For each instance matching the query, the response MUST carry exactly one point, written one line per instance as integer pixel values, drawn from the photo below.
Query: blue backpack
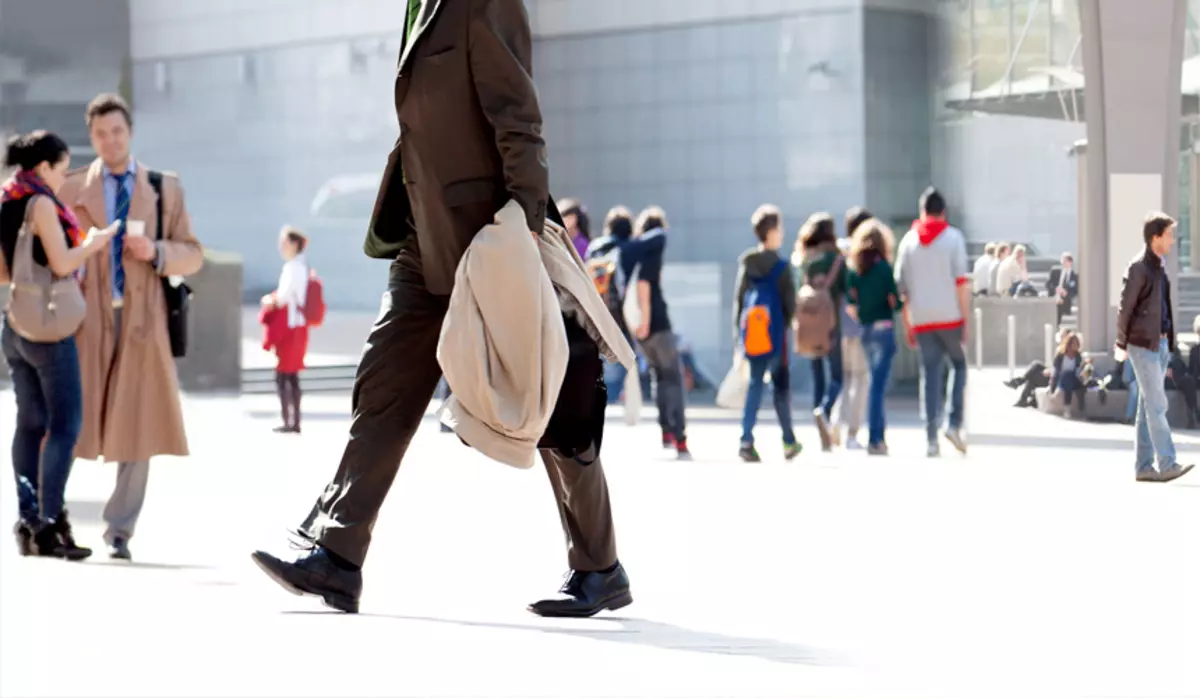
(763, 331)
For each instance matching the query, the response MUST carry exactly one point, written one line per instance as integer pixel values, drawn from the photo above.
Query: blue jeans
(781, 386)
(1153, 437)
(935, 349)
(49, 395)
(879, 344)
(825, 393)
(1131, 382)
(614, 380)
(1069, 384)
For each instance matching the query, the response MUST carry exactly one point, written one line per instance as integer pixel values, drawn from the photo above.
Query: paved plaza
(1034, 567)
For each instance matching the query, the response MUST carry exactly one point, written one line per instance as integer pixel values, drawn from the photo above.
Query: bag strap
(156, 183)
(834, 270)
(777, 271)
(22, 264)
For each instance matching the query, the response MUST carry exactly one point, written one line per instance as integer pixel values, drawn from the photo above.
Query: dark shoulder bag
(178, 296)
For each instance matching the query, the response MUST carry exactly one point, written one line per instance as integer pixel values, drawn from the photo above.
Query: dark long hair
(568, 206)
(32, 149)
(619, 223)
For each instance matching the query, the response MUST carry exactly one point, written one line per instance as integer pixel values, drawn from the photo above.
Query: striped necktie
(120, 213)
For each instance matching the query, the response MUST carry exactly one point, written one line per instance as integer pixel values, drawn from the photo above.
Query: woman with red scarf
(286, 325)
(45, 375)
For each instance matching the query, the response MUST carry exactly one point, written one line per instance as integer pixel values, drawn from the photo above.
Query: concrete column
(1193, 194)
(1132, 66)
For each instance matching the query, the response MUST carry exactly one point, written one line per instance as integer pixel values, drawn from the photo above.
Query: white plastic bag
(629, 306)
(732, 393)
(633, 396)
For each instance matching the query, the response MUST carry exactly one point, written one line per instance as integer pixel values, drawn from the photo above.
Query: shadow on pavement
(148, 565)
(1027, 441)
(897, 419)
(86, 511)
(648, 633)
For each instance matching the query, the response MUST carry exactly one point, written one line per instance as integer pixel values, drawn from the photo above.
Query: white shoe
(852, 444)
(933, 451)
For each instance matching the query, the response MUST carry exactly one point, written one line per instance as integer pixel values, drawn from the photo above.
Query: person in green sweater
(814, 257)
(873, 300)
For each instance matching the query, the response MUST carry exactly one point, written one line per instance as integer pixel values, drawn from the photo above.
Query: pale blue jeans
(1153, 438)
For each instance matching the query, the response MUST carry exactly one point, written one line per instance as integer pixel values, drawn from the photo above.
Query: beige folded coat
(503, 346)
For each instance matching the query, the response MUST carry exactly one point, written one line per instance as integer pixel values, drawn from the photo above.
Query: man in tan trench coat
(131, 408)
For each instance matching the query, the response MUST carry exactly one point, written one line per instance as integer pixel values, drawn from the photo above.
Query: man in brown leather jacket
(1146, 335)
(470, 141)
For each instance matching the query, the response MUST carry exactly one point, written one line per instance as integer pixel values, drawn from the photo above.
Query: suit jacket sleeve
(179, 253)
(1053, 280)
(1131, 290)
(501, 53)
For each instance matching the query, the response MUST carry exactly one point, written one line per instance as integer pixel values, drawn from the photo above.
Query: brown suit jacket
(131, 407)
(470, 134)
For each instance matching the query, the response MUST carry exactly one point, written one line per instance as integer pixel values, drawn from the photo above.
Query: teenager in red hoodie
(932, 276)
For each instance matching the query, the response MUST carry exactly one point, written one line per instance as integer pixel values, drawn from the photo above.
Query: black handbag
(178, 296)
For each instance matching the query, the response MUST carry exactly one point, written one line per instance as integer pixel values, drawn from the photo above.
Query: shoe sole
(614, 603)
(1177, 474)
(338, 602)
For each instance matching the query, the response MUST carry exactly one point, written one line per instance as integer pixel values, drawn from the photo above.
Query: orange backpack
(763, 330)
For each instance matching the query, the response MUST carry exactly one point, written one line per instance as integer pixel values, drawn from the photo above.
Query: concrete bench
(1112, 408)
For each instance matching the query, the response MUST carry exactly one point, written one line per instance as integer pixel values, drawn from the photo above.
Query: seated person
(1067, 375)
(1181, 379)
(1036, 376)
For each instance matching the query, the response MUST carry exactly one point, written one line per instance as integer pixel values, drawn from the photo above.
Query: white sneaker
(852, 444)
(933, 451)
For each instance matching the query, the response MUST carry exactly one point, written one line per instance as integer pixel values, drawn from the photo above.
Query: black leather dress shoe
(315, 574)
(587, 593)
(119, 550)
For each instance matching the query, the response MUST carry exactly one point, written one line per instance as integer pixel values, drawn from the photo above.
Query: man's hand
(140, 248)
(643, 330)
(1119, 354)
(535, 235)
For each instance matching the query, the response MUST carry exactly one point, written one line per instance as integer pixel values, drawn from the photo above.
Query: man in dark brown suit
(470, 140)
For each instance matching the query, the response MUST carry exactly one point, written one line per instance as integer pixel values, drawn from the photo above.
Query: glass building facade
(278, 114)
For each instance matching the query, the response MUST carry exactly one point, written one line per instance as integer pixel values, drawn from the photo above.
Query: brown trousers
(396, 379)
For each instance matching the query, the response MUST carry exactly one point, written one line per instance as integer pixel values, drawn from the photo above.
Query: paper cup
(135, 228)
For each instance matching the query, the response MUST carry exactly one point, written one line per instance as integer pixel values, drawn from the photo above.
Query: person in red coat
(286, 327)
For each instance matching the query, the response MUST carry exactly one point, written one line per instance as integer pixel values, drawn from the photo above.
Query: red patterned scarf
(25, 184)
